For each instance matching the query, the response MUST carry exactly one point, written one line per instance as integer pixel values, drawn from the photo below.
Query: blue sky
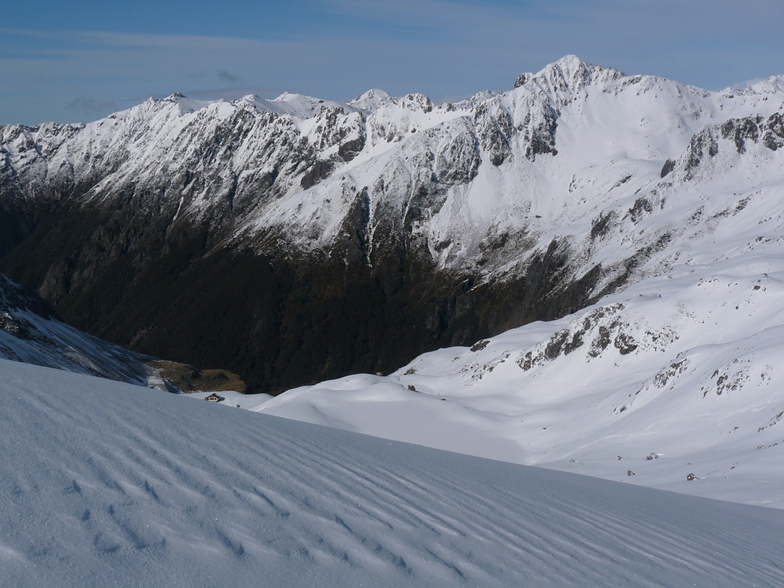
(72, 62)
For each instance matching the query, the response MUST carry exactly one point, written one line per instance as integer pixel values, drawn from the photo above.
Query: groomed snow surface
(108, 484)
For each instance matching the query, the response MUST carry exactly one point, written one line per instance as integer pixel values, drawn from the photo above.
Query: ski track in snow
(102, 483)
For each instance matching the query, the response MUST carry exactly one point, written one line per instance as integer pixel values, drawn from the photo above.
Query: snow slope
(674, 193)
(678, 374)
(29, 334)
(103, 483)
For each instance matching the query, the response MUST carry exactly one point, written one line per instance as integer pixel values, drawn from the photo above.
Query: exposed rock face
(296, 239)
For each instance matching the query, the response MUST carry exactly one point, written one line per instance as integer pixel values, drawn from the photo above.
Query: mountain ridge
(457, 221)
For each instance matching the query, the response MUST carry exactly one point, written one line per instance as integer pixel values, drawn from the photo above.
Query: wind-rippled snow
(103, 483)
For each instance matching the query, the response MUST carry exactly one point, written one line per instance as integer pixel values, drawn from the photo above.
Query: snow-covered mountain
(297, 239)
(102, 483)
(30, 333)
(671, 378)
(675, 383)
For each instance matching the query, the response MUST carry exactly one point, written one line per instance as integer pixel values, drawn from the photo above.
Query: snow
(672, 386)
(103, 483)
(613, 134)
(234, 399)
(684, 365)
(371, 100)
(681, 365)
(31, 338)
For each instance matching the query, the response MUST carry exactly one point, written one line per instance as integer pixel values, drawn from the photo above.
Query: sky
(77, 62)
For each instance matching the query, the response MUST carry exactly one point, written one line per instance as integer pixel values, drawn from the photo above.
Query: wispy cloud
(92, 107)
(225, 76)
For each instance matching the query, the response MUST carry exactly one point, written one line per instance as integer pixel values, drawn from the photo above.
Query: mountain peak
(569, 72)
(371, 100)
(771, 85)
(571, 62)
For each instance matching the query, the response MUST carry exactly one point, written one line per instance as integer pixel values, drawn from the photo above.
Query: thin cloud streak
(90, 106)
(225, 76)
